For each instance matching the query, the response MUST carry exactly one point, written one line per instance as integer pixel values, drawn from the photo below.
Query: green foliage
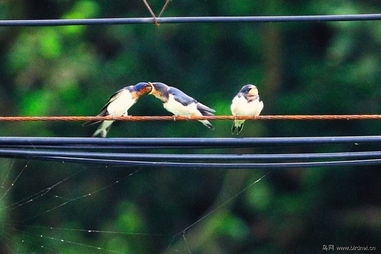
(299, 68)
(231, 226)
(259, 197)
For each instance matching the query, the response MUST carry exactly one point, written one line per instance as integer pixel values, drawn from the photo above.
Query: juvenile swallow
(119, 104)
(245, 103)
(179, 103)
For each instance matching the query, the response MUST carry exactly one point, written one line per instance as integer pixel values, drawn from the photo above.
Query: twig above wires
(164, 7)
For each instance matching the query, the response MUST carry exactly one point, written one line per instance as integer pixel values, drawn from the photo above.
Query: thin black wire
(217, 19)
(17, 153)
(184, 142)
(214, 165)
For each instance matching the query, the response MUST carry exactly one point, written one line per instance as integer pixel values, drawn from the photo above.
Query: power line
(54, 149)
(91, 142)
(271, 165)
(19, 153)
(205, 19)
(190, 118)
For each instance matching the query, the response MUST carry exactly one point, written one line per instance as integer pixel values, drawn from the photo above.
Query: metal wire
(92, 147)
(216, 19)
(184, 165)
(232, 161)
(17, 153)
(189, 118)
(185, 142)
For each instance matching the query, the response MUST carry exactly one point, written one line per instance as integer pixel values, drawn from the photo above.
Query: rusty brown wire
(189, 118)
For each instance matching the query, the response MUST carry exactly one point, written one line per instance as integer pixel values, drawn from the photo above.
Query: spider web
(29, 216)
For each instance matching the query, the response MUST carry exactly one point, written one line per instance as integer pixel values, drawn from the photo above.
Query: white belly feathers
(121, 104)
(241, 107)
(179, 109)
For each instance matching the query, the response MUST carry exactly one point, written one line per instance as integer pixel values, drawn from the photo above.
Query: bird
(118, 105)
(245, 103)
(180, 104)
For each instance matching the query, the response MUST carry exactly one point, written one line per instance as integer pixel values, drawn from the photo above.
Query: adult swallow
(179, 103)
(245, 103)
(119, 104)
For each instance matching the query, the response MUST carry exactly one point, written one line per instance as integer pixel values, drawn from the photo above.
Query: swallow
(119, 104)
(245, 103)
(179, 103)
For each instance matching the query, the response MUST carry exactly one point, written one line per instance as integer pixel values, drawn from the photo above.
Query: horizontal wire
(173, 142)
(212, 165)
(204, 19)
(92, 147)
(189, 118)
(17, 153)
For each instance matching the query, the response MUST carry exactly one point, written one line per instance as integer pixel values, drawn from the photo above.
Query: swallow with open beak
(119, 104)
(245, 103)
(179, 103)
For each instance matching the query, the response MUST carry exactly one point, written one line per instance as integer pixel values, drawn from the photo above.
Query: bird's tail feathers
(88, 123)
(103, 129)
(205, 110)
(207, 113)
(207, 124)
(100, 132)
(237, 127)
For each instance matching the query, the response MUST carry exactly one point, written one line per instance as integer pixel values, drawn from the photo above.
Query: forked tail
(103, 129)
(237, 126)
(207, 124)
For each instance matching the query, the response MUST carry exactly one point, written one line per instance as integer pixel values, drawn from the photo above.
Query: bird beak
(253, 92)
(148, 88)
(152, 87)
(145, 89)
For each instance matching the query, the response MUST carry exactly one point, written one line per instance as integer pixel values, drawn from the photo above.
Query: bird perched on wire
(245, 103)
(119, 104)
(179, 103)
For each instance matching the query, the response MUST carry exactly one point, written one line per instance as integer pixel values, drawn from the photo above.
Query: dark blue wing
(180, 96)
(205, 110)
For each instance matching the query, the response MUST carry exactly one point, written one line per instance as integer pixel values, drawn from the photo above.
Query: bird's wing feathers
(185, 99)
(112, 98)
(205, 110)
(103, 111)
(180, 96)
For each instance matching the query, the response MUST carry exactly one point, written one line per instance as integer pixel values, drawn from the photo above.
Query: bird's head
(159, 90)
(142, 88)
(249, 90)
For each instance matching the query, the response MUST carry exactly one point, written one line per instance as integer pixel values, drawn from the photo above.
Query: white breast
(179, 109)
(121, 104)
(241, 107)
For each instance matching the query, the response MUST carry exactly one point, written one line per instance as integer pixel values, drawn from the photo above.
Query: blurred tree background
(299, 68)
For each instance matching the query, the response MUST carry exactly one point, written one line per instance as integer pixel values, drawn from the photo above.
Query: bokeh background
(299, 68)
